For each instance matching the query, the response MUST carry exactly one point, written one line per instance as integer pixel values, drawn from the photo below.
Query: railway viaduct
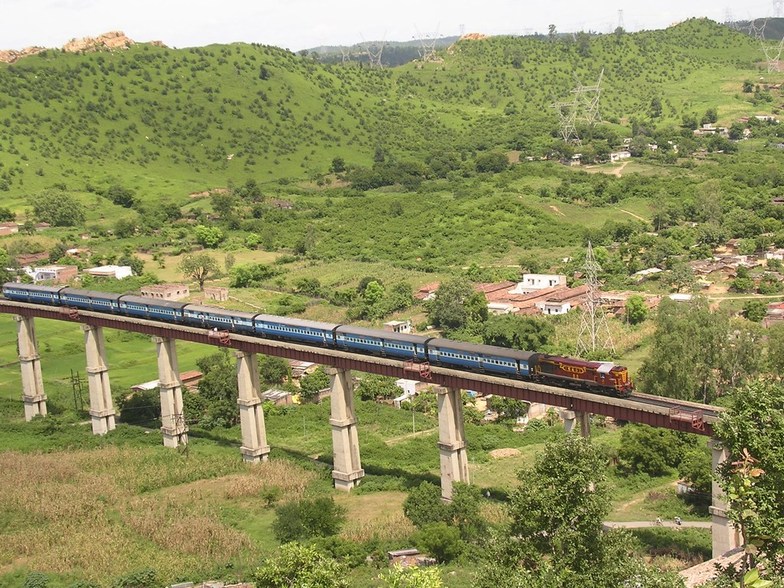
(347, 469)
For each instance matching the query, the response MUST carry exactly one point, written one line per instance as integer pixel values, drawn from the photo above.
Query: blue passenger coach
(218, 318)
(384, 343)
(294, 329)
(472, 356)
(32, 293)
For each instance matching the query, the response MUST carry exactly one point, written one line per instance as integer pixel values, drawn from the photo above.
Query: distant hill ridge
(111, 41)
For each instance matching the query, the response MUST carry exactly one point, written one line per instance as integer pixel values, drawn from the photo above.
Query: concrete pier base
(101, 405)
(451, 440)
(725, 535)
(32, 381)
(173, 427)
(575, 421)
(347, 470)
(254, 432)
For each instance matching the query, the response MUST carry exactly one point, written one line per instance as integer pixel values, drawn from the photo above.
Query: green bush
(305, 519)
(439, 540)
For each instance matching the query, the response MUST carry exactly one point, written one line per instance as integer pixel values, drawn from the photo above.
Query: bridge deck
(640, 408)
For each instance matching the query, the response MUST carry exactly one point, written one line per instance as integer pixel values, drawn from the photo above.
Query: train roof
(295, 322)
(600, 366)
(479, 348)
(417, 339)
(152, 301)
(32, 287)
(222, 311)
(90, 293)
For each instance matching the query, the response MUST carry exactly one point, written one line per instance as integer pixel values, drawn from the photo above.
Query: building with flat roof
(166, 291)
(118, 272)
(58, 274)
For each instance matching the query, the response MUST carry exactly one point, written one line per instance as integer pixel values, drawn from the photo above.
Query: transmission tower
(772, 51)
(427, 46)
(778, 6)
(567, 115)
(373, 52)
(345, 53)
(620, 21)
(594, 331)
(587, 99)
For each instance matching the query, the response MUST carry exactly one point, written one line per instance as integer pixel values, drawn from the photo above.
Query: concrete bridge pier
(573, 419)
(32, 381)
(173, 427)
(254, 431)
(101, 406)
(451, 440)
(347, 470)
(725, 535)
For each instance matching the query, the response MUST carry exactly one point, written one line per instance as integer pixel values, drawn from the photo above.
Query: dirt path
(556, 210)
(619, 170)
(637, 216)
(395, 440)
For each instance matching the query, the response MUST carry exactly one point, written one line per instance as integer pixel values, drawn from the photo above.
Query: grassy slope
(164, 122)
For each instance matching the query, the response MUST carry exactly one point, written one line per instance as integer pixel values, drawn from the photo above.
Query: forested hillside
(174, 121)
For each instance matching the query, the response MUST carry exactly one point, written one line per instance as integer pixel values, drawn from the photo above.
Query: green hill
(169, 122)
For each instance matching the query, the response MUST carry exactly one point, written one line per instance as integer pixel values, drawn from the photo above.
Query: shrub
(305, 519)
(439, 540)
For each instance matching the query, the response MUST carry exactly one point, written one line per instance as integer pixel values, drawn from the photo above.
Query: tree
(636, 309)
(338, 165)
(755, 310)
(423, 505)
(517, 332)
(439, 540)
(273, 370)
(209, 237)
(491, 162)
(305, 519)
(311, 384)
(413, 577)
(300, 566)
(507, 408)
(372, 387)
(696, 468)
(447, 310)
(681, 277)
(649, 450)
(58, 208)
(776, 348)
(752, 432)
(120, 196)
(199, 267)
(686, 351)
(561, 502)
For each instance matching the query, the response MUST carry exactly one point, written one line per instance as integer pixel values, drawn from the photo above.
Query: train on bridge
(601, 377)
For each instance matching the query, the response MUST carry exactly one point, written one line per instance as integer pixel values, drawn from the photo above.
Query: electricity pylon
(594, 330)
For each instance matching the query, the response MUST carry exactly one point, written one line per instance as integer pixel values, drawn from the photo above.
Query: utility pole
(594, 331)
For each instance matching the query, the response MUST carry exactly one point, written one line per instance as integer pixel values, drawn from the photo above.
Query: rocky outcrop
(9, 56)
(111, 41)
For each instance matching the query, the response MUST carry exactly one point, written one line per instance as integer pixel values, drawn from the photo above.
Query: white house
(679, 297)
(777, 254)
(534, 282)
(500, 308)
(117, 272)
(553, 307)
(619, 155)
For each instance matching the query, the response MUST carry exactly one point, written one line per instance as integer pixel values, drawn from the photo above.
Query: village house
(166, 291)
(217, 293)
(398, 326)
(427, 292)
(277, 397)
(616, 156)
(118, 272)
(533, 282)
(58, 274)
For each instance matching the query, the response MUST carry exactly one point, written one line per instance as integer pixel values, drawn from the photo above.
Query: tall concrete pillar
(725, 535)
(347, 469)
(451, 440)
(101, 406)
(32, 381)
(573, 419)
(254, 432)
(173, 427)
